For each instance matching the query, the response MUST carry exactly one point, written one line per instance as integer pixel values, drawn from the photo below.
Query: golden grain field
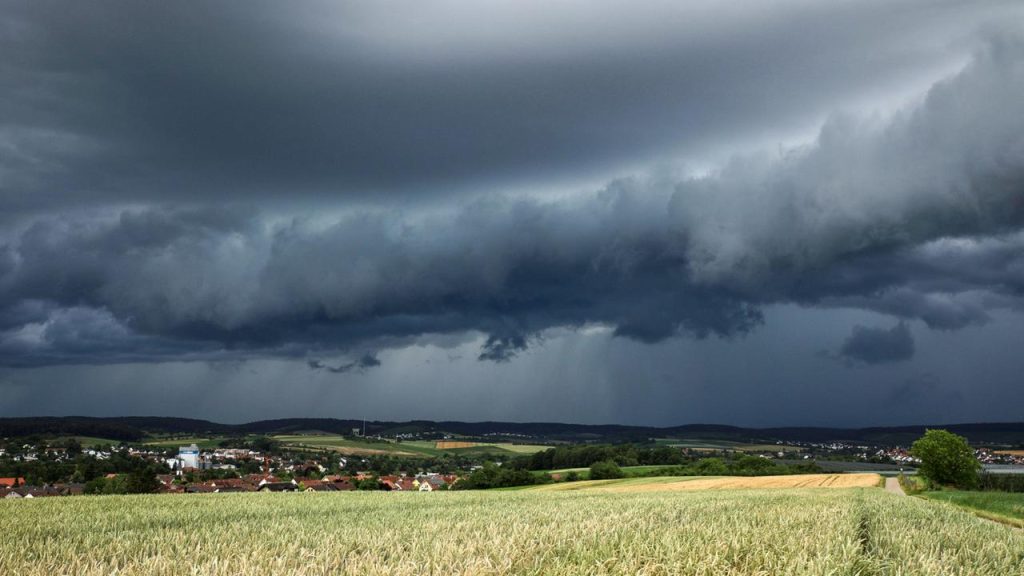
(758, 482)
(800, 532)
(453, 444)
(688, 483)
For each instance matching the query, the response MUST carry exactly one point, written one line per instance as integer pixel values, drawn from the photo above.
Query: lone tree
(946, 459)
(605, 470)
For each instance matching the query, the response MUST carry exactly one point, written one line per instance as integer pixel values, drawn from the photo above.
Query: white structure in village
(188, 456)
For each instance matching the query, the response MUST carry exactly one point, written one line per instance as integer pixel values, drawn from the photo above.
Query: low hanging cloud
(502, 348)
(879, 345)
(364, 362)
(868, 215)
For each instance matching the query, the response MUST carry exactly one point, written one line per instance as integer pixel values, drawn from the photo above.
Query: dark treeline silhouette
(131, 428)
(70, 426)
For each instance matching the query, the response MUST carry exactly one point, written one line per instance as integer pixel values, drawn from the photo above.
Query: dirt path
(893, 485)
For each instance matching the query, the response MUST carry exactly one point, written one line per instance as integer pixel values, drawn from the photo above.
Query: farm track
(892, 485)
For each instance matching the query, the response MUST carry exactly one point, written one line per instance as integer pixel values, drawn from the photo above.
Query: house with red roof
(317, 486)
(233, 485)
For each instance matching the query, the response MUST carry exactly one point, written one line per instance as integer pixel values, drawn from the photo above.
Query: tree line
(609, 461)
(582, 456)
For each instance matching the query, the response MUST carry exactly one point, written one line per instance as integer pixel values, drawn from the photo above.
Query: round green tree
(946, 459)
(605, 470)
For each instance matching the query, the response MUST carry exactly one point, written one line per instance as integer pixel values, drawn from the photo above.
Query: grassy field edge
(987, 505)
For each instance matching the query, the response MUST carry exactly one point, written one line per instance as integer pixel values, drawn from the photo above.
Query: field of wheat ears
(751, 532)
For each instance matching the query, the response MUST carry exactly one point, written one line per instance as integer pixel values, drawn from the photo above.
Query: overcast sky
(788, 212)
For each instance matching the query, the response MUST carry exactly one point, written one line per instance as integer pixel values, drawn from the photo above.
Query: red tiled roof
(344, 484)
(232, 482)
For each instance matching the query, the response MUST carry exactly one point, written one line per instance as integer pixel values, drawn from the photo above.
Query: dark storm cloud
(949, 167)
(509, 268)
(365, 361)
(116, 102)
(502, 348)
(917, 215)
(879, 345)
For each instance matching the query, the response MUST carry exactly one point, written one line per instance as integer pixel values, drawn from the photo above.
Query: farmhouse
(232, 485)
(260, 479)
(200, 489)
(278, 487)
(317, 486)
(71, 489)
(32, 492)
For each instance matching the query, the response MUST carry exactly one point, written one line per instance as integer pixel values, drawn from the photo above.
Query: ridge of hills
(134, 428)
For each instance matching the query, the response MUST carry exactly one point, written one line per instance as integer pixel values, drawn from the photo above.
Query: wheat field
(760, 482)
(861, 531)
(691, 483)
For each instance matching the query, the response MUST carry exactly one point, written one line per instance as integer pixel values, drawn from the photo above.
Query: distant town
(192, 470)
(45, 465)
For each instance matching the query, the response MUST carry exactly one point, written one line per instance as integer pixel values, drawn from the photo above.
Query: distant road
(893, 485)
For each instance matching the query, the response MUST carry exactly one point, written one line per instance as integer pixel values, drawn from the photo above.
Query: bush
(605, 470)
(910, 484)
(710, 467)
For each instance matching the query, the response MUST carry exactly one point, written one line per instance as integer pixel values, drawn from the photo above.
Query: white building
(189, 456)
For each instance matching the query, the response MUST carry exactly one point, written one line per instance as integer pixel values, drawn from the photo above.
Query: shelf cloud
(322, 185)
(868, 215)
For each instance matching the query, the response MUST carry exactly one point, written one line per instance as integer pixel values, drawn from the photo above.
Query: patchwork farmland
(362, 447)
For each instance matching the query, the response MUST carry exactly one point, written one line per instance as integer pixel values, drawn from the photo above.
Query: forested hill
(131, 428)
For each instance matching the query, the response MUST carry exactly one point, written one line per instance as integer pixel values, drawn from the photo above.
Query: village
(193, 471)
(67, 469)
(15, 487)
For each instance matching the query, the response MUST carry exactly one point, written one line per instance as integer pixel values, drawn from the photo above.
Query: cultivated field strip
(757, 483)
(749, 532)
